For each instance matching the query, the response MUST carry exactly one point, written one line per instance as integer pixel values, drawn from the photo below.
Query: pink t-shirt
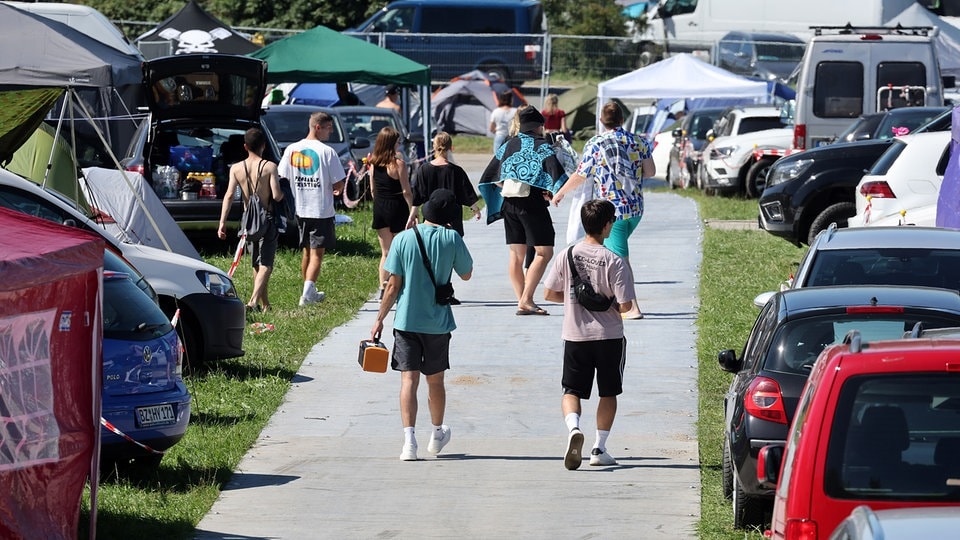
(609, 275)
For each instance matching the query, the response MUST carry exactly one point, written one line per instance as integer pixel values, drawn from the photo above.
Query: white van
(847, 72)
(82, 18)
(695, 26)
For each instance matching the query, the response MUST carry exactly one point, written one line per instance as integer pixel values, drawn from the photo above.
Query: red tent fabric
(50, 336)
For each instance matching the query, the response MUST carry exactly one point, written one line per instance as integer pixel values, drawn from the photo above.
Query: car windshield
(128, 313)
(902, 124)
(772, 51)
(798, 343)
(289, 126)
(896, 437)
(887, 266)
(367, 125)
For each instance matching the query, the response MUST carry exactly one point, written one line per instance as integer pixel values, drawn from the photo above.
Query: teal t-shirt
(416, 308)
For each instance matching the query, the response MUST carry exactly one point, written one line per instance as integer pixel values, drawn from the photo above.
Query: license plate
(158, 415)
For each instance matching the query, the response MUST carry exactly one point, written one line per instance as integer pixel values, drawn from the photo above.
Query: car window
(759, 123)
(395, 20)
(896, 436)
(759, 337)
(838, 90)
(900, 124)
(798, 343)
(367, 125)
(773, 51)
(288, 126)
(32, 205)
(793, 439)
(128, 313)
(877, 266)
(467, 20)
(910, 74)
(883, 164)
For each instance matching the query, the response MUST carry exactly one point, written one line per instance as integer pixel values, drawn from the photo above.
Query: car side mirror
(768, 465)
(729, 362)
(360, 143)
(710, 135)
(761, 299)
(677, 133)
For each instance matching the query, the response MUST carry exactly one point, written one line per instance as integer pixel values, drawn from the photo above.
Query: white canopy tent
(683, 76)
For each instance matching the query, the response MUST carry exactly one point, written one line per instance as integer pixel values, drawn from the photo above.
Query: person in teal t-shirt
(422, 327)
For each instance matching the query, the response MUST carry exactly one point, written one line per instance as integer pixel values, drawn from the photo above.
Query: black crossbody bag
(443, 293)
(590, 299)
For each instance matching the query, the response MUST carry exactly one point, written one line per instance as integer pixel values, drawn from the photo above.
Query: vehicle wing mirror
(678, 133)
(761, 299)
(728, 361)
(710, 135)
(768, 465)
(360, 142)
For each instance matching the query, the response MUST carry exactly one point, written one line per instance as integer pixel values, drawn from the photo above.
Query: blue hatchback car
(143, 396)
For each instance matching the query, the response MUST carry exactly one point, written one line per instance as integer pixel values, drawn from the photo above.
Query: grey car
(288, 124)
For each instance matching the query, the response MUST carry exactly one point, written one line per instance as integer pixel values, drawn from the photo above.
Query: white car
(865, 523)
(727, 159)
(903, 185)
(212, 316)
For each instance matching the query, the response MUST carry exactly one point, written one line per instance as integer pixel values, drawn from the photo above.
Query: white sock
(572, 420)
(602, 440)
(308, 287)
(409, 437)
(438, 432)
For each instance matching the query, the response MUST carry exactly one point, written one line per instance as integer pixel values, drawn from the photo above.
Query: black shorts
(392, 213)
(526, 223)
(582, 358)
(426, 353)
(317, 233)
(264, 252)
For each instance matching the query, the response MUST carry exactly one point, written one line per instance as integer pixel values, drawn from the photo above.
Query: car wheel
(747, 511)
(670, 176)
(686, 175)
(757, 178)
(188, 330)
(838, 212)
(499, 70)
(148, 462)
(648, 55)
(726, 471)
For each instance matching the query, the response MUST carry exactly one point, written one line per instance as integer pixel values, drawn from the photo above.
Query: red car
(878, 424)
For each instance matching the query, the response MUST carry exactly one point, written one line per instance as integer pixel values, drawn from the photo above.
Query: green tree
(589, 57)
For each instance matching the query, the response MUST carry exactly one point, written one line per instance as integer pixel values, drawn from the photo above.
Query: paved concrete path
(326, 466)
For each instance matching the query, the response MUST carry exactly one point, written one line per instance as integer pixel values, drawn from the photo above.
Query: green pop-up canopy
(322, 55)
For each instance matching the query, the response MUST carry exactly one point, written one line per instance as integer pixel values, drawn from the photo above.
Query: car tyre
(727, 471)
(837, 212)
(757, 177)
(747, 511)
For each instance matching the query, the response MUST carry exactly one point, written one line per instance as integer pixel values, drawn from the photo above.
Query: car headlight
(780, 173)
(217, 284)
(725, 151)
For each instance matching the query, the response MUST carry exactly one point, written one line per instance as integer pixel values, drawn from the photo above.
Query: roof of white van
(82, 18)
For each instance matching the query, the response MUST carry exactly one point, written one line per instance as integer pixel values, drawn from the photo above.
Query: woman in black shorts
(390, 188)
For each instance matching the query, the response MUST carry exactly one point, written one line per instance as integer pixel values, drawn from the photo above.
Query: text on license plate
(158, 415)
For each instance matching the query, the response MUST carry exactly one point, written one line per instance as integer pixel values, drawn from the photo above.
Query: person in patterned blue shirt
(617, 161)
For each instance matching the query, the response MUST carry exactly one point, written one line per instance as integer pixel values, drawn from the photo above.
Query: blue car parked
(143, 395)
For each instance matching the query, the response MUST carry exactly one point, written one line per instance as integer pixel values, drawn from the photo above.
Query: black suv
(200, 107)
(808, 190)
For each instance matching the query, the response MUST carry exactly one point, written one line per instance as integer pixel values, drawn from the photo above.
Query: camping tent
(38, 51)
(50, 327)
(678, 77)
(193, 30)
(464, 105)
(323, 55)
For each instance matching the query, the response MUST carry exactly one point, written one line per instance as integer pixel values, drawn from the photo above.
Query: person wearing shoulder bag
(420, 264)
(595, 286)
(255, 175)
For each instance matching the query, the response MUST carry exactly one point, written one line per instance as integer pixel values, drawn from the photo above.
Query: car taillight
(879, 190)
(136, 168)
(764, 401)
(530, 52)
(874, 309)
(801, 529)
(800, 137)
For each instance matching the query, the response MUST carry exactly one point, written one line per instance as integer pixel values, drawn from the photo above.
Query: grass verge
(234, 399)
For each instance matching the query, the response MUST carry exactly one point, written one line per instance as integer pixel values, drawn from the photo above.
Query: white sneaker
(409, 452)
(436, 445)
(312, 297)
(600, 458)
(574, 455)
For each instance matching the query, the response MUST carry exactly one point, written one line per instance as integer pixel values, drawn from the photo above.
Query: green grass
(234, 399)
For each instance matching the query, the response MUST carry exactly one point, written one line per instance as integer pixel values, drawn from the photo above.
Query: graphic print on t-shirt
(305, 161)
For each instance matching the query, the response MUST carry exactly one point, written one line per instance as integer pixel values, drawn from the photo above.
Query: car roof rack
(887, 30)
(948, 332)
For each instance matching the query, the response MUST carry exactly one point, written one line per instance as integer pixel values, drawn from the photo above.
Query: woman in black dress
(391, 192)
(441, 173)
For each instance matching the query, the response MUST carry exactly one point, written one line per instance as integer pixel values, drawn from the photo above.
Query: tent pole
(126, 178)
(56, 137)
(426, 116)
